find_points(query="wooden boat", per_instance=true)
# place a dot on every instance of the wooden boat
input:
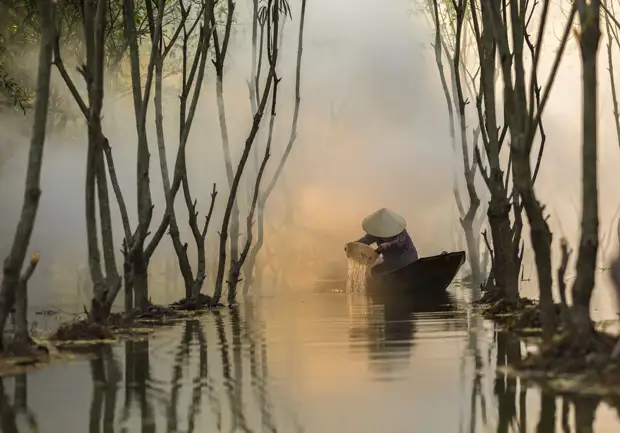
(427, 275)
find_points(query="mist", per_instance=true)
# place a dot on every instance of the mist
(373, 132)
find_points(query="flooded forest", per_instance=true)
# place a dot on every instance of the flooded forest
(178, 179)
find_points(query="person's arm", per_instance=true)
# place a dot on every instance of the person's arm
(398, 240)
(366, 239)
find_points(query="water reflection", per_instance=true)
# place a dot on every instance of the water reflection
(17, 413)
(387, 328)
(323, 363)
(106, 375)
(516, 399)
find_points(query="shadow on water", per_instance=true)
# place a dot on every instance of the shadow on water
(314, 363)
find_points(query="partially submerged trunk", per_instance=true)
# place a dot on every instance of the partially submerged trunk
(220, 58)
(234, 221)
(466, 218)
(523, 114)
(235, 267)
(192, 78)
(14, 284)
(138, 260)
(272, 18)
(105, 287)
(250, 263)
(504, 271)
(589, 15)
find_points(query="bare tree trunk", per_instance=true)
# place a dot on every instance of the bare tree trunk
(161, 145)
(251, 262)
(128, 280)
(589, 15)
(272, 44)
(105, 288)
(139, 261)
(220, 58)
(505, 271)
(234, 223)
(192, 76)
(12, 280)
(523, 118)
(466, 218)
(235, 267)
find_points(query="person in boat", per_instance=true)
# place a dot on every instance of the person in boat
(387, 229)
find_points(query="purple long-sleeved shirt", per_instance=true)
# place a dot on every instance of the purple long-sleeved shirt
(399, 248)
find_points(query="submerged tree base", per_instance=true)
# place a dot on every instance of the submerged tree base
(79, 337)
(82, 330)
(490, 295)
(118, 323)
(25, 349)
(200, 302)
(525, 318)
(575, 364)
(39, 356)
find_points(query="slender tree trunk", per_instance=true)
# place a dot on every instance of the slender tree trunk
(235, 267)
(539, 231)
(504, 270)
(466, 218)
(12, 281)
(128, 280)
(139, 260)
(251, 262)
(192, 78)
(588, 246)
(234, 220)
(220, 58)
(272, 14)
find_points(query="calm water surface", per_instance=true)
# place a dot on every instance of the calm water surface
(314, 363)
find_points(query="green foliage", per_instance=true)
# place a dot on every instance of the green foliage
(20, 35)
(282, 5)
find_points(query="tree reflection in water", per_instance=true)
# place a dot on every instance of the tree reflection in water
(143, 393)
(193, 332)
(232, 382)
(106, 375)
(554, 411)
(508, 351)
(259, 374)
(10, 414)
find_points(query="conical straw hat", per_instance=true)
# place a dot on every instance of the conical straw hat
(384, 223)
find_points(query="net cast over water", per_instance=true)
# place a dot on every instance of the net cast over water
(360, 259)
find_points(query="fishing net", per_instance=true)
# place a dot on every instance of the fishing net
(361, 258)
